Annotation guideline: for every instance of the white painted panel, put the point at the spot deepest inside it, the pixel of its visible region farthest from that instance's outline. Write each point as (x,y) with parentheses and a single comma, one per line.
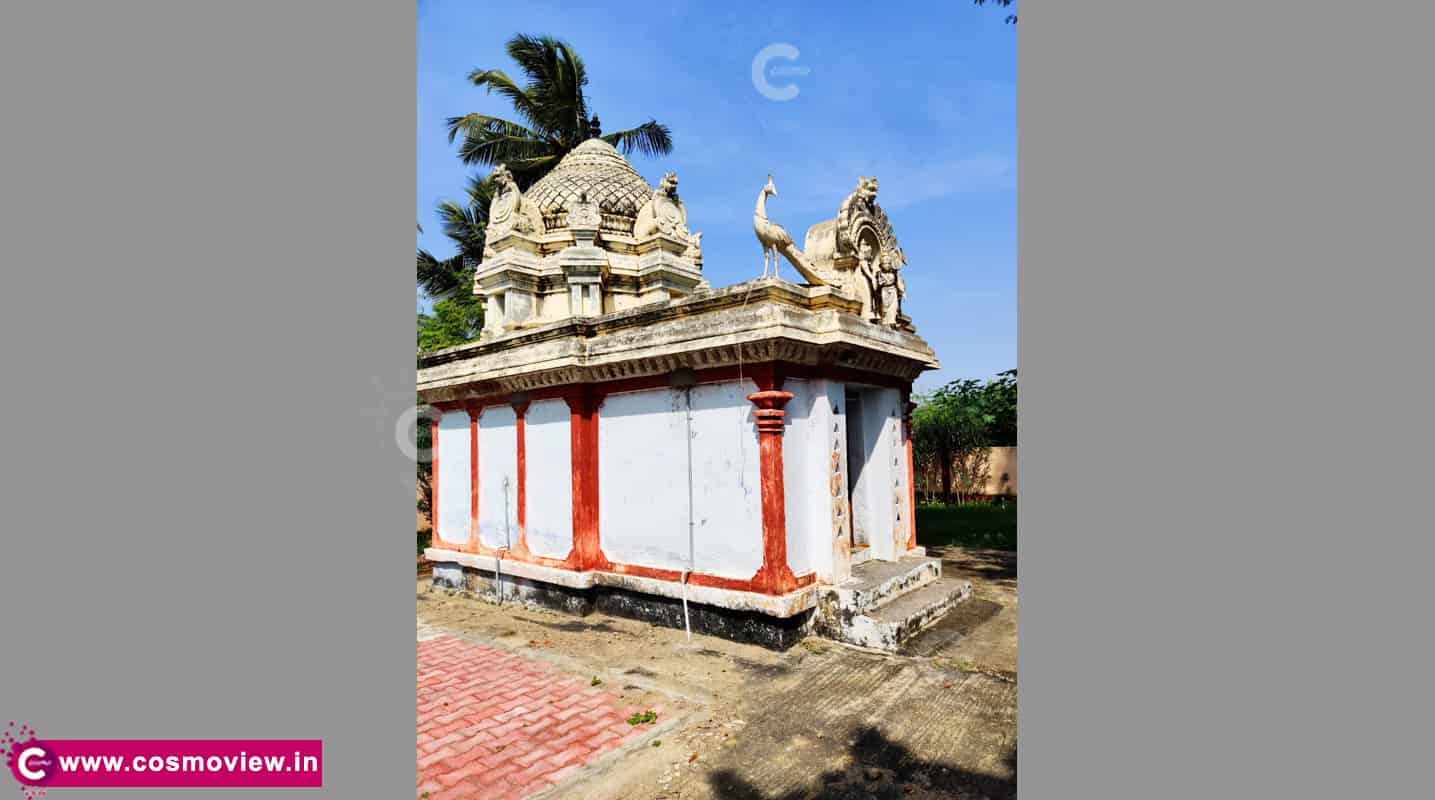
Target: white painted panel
(548,459)
(454,495)
(727,480)
(816,486)
(643,480)
(498,477)
(804,477)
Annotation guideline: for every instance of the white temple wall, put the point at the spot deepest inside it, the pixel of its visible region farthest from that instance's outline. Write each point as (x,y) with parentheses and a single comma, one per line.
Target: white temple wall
(497,465)
(806,467)
(644,479)
(549,461)
(454,494)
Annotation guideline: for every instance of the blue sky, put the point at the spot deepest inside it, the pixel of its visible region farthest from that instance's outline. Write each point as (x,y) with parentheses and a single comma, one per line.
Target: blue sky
(921,95)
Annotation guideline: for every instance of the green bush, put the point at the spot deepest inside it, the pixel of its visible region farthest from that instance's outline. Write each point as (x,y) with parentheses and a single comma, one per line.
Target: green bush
(985,525)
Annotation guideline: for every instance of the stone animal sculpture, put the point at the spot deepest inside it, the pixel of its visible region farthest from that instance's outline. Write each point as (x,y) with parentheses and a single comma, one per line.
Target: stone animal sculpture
(775,239)
(665,214)
(508,213)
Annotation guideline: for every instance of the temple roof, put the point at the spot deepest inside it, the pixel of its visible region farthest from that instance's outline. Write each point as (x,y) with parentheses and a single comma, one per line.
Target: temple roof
(599,169)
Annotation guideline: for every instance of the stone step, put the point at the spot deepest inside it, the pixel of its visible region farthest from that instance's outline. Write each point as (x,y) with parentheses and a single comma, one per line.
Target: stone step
(875,583)
(897,621)
(861,555)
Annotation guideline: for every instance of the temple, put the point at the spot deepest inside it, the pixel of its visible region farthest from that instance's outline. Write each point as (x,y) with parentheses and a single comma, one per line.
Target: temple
(627,438)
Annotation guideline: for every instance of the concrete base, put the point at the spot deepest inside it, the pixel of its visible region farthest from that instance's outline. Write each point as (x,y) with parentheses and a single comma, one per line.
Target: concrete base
(778,633)
(793,603)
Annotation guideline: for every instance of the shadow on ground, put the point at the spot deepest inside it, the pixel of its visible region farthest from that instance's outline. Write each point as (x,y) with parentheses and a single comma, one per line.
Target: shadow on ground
(992,566)
(881,769)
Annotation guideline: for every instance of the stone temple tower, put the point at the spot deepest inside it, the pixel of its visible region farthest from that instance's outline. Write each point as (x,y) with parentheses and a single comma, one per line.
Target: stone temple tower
(589,238)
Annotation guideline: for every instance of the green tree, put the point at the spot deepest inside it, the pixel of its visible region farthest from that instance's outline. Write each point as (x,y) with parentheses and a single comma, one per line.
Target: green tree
(556,114)
(999,398)
(452,322)
(953,427)
(457,315)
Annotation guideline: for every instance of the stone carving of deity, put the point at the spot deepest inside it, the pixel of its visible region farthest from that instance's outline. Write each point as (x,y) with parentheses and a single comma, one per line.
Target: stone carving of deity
(867,279)
(889,280)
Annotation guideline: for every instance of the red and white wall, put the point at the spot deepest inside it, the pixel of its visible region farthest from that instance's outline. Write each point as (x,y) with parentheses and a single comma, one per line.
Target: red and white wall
(598,478)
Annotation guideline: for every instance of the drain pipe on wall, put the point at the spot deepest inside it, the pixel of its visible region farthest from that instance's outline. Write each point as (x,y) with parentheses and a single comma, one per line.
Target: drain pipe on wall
(507,543)
(686,379)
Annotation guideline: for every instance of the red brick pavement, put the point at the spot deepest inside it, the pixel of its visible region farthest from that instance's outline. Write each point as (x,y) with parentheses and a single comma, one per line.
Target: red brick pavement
(494,724)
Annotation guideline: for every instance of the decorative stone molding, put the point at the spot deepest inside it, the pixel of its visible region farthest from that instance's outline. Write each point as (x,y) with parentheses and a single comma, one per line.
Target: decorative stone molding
(770,410)
(746,324)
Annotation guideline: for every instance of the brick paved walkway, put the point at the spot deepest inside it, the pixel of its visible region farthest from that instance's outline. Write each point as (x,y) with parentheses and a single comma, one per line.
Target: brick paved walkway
(494,724)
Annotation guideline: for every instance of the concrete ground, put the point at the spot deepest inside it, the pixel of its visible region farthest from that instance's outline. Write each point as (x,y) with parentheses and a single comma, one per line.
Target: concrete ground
(818,721)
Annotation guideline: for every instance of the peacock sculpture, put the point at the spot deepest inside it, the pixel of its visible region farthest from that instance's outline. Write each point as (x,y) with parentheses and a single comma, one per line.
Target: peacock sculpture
(775,239)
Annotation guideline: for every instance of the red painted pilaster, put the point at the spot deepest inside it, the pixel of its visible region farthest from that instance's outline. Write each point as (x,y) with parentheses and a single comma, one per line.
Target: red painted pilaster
(520,410)
(908,407)
(433,483)
(473,478)
(775,576)
(583,442)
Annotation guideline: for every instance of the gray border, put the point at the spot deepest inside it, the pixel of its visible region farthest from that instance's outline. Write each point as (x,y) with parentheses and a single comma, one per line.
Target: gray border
(207,318)
(205,311)
(1224,408)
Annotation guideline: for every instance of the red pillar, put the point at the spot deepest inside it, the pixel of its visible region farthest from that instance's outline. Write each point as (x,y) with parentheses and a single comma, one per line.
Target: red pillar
(473,414)
(583,443)
(775,576)
(908,407)
(434,538)
(520,410)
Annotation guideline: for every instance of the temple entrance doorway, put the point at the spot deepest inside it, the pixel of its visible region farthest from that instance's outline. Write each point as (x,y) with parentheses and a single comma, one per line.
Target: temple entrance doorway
(871,423)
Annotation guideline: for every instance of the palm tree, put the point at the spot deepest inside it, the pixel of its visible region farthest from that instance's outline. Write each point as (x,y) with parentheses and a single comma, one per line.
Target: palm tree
(464,225)
(554,110)
(1010,18)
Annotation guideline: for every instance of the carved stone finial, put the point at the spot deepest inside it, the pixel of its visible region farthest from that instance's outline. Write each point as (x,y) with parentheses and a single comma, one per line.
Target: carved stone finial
(595,130)
(858,249)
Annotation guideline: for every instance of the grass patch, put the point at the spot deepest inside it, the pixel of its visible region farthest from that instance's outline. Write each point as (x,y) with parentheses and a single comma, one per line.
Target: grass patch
(988,525)
(645,718)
